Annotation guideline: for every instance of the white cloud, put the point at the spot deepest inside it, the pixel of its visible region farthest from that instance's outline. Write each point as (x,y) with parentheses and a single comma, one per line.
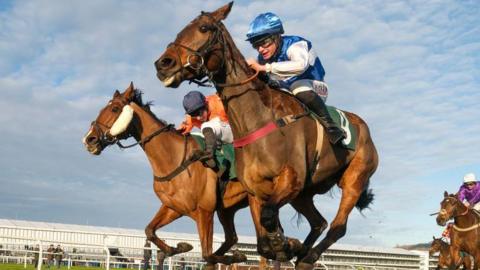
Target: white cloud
(410,69)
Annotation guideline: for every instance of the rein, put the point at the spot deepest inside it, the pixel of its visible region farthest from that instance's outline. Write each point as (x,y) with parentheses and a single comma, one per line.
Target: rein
(459,229)
(475,226)
(143,141)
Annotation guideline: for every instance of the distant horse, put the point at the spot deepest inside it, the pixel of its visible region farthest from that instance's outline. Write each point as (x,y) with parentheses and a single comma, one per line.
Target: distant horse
(465,234)
(292,158)
(444,258)
(191,192)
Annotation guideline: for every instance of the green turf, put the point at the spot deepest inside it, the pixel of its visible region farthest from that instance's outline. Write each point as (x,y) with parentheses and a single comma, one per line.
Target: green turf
(31,267)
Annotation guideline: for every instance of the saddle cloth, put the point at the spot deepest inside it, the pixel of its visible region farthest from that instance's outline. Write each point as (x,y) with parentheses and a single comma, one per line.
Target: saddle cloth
(224,156)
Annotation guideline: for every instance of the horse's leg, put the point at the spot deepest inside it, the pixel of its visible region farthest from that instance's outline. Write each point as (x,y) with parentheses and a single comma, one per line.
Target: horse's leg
(287,185)
(163,217)
(353,182)
(467,262)
(305,206)
(263,246)
(204,220)
(226,217)
(455,257)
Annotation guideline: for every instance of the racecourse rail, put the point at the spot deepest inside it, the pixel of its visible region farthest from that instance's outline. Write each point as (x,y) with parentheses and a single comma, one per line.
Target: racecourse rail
(92,244)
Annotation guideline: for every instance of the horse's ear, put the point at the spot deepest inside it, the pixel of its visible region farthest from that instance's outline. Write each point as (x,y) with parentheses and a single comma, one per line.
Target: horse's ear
(433,237)
(116,94)
(129,92)
(445,194)
(222,13)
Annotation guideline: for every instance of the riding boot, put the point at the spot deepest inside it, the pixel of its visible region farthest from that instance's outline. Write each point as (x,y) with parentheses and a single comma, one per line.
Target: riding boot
(316,104)
(210,147)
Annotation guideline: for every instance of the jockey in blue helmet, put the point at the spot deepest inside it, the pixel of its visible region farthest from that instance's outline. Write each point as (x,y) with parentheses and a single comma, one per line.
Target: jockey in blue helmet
(291,62)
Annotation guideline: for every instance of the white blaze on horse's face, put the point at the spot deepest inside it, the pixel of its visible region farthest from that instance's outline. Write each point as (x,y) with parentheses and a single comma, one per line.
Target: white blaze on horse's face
(122,121)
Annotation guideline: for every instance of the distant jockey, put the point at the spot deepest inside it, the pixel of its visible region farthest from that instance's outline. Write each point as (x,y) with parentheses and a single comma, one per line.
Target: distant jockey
(208,114)
(291,63)
(469,192)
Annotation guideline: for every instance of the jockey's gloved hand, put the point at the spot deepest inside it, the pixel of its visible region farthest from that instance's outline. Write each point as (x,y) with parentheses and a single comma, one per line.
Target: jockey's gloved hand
(274,84)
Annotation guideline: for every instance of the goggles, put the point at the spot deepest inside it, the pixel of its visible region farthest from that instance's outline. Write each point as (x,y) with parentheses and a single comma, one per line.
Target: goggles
(264,42)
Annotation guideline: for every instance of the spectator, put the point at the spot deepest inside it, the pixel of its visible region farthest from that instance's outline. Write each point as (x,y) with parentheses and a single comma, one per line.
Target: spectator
(182,263)
(147,255)
(50,252)
(36,255)
(58,255)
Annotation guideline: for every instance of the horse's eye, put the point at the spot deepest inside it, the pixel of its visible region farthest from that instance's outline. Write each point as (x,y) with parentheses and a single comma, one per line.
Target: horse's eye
(115,109)
(204,28)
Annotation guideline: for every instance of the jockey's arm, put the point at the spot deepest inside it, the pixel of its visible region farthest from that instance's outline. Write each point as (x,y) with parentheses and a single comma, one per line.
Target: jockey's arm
(298,55)
(188,124)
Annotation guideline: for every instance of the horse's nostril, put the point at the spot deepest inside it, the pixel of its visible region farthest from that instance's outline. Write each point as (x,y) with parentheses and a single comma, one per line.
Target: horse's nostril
(91,140)
(166,62)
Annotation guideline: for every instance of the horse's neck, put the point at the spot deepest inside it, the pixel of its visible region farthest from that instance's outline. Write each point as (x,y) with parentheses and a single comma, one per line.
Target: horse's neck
(159,149)
(465,220)
(250,105)
(444,249)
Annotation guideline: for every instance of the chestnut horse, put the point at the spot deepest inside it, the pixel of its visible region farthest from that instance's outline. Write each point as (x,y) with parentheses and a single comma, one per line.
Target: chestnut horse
(444,257)
(294,161)
(465,232)
(192,192)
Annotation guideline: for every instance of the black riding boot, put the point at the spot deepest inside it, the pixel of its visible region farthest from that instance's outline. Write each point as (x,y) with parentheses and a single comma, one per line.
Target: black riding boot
(316,104)
(210,147)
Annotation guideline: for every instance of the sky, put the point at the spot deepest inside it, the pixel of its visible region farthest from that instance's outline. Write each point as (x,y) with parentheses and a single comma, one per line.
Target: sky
(410,69)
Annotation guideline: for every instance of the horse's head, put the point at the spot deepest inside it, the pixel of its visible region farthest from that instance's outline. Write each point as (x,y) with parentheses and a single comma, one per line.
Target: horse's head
(435,246)
(112,122)
(449,208)
(198,50)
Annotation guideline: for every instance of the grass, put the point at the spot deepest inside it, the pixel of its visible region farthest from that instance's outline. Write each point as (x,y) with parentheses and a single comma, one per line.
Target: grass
(31,267)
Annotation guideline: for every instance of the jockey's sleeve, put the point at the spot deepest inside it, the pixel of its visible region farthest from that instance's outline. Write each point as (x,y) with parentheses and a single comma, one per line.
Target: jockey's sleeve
(189,123)
(461,193)
(476,196)
(298,56)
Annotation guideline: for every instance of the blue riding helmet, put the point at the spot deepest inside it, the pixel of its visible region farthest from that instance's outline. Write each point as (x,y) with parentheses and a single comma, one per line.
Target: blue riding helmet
(193,101)
(263,25)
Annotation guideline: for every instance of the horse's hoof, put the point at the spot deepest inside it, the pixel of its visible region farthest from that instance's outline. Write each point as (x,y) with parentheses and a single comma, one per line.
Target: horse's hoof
(296,247)
(304,266)
(238,257)
(183,247)
(282,256)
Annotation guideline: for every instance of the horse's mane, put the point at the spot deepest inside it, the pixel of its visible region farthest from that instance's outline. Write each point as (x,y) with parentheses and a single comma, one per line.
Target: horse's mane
(137,99)
(269,95)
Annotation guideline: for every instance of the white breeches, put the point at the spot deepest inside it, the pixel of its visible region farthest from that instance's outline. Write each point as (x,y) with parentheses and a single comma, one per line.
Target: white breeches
(222,130)
(319,87)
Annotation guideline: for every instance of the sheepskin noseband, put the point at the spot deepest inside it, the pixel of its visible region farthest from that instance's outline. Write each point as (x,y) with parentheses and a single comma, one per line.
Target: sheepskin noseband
(123,121)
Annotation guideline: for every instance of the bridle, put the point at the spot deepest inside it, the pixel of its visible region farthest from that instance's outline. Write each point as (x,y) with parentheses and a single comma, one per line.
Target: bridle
(209,46)
(106,139)
(454,215)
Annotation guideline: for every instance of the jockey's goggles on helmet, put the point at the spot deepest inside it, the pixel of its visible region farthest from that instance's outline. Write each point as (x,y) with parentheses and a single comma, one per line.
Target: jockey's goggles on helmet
(197,112)
(263,42)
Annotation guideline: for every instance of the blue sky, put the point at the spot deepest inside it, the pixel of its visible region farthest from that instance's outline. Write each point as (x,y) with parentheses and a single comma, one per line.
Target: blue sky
(411,69)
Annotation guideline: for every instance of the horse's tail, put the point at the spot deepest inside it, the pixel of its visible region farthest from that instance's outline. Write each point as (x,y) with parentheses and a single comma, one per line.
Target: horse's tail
(299,218)
(366,198)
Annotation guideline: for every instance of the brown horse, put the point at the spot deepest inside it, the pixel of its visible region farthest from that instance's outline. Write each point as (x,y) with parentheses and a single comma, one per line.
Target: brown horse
(465,231)
(290,164)
(193,192)
(444,257)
